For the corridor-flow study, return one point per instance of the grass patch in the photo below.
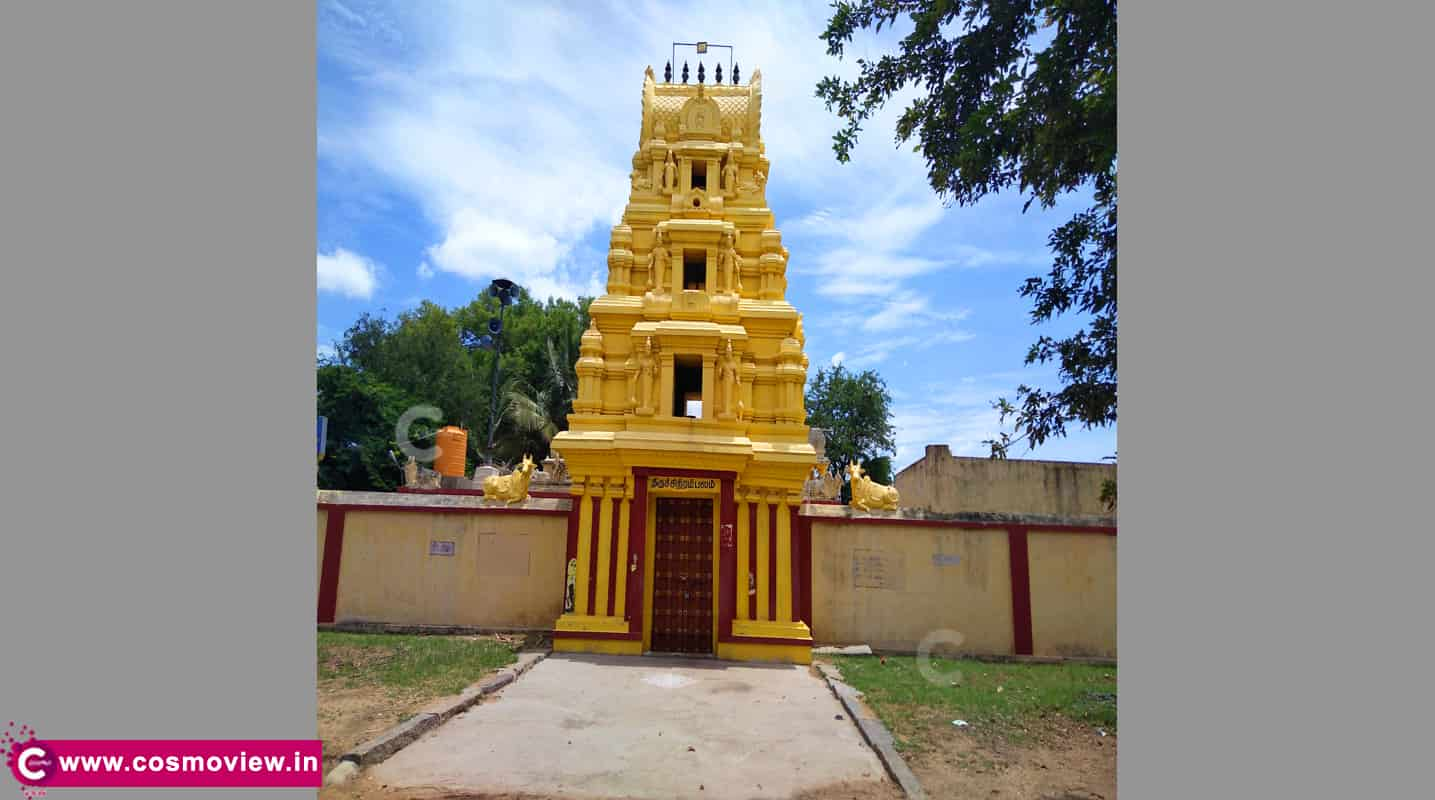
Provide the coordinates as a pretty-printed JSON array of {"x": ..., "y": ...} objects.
[
  {"x": 429, "y": 665},
  {"x": 1006, "y": 700}
]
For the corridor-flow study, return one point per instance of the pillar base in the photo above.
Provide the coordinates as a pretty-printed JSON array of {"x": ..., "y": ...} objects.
[
  {"x": 780, "y": 653},
  {"x": 610, "y": 647},
  {"x": 764, "y": 640},
  {"x": 583, "y": 633},
  {"x": 762, "y": 628},
  {"x": 587, "y": 623}
]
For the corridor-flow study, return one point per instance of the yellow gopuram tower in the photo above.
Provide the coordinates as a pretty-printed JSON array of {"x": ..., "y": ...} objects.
[{"x": 688, "y": 444}]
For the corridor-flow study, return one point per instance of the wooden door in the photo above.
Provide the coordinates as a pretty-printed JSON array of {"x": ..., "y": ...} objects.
[{"x": 683, "y": 576}]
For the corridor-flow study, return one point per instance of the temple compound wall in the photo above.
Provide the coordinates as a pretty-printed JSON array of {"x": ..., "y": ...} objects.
[{"x": 1008, "y": 584}]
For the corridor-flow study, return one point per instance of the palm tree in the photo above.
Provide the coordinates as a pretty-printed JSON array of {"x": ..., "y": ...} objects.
[{"x": 532, "y": 416}]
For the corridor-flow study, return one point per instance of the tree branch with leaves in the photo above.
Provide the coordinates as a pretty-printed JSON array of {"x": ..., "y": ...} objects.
[{"x": 1016, "y": 93}]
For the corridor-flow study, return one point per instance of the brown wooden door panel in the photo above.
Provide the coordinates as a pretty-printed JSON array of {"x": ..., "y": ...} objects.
[{"x": 683, "y": 577}]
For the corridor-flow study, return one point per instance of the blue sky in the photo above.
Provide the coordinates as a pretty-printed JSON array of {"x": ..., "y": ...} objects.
[{"x": 462, "y": 142}]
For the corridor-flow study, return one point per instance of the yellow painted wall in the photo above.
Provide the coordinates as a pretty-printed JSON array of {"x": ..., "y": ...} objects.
[
  {"x": 1073, "y": 594},
  {"x": 506, "y": 571},
  {"x": 904, "y": 594},
  {"x": 948, "y": 484}
]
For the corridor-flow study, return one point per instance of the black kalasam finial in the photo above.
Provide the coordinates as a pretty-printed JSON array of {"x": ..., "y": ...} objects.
[
  {"x": 668, "y": 72},
  {"x": 734, "y": 74},
  {"x": 717, "y": 74},
  {"x": 700, "y": 72},
  {"x": 685, "y": 72}
]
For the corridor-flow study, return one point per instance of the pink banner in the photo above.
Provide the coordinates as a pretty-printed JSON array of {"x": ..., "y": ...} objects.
[{"x": 167, "y": 763}]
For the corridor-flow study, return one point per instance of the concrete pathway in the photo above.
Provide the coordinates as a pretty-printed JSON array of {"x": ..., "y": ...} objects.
[{"x": 610, "y": 727}]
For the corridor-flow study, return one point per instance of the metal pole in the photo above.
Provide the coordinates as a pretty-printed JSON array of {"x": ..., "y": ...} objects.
[{"x": 493, "y": 403}]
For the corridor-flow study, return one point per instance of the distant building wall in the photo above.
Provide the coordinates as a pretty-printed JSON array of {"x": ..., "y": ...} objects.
[{"x": 948, "y": 484}]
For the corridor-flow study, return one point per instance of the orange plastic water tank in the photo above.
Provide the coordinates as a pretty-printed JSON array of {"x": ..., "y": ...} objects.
[{"x": 453, "y": 447}]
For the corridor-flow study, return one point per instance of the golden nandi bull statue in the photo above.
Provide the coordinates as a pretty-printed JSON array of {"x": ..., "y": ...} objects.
[
  {"x": 867, "y": 495},
  {"x": 511, "y": 488}
]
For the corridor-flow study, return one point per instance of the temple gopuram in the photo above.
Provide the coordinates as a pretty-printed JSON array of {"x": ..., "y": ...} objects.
[{"x": 688, "y": 446}]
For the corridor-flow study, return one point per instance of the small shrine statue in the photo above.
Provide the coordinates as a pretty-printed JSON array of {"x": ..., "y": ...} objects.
[
  {"x": 569, "y": 585},
  {"x": 511, "y": 488},
  {"x": 867, "y": 495},
  {"x": 729, "y": 177}
]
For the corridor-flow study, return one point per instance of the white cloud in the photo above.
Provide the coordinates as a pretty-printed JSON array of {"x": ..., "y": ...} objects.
[
  {"x": 838, "y": 358},
  {"x": 425, "y": 271},
  {"x": 907, "y": 309},
  {"x": 876, "y": 351},
  {"x": 346, "y": 273},
  {"x": 514, "y": 133}
]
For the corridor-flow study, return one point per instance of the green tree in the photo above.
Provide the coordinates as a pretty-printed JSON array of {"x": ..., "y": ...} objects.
[
  {"x": 1014, "y": 93},
  {"x": 854, "y": 410},
  {"x": 421, "y": 355},
  {"x": 360, "y": 451},
  {"x": 532, "y": 416}
]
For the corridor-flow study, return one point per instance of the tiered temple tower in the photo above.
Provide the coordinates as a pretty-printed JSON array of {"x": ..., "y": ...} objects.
[{"x": 688, "y": 445}]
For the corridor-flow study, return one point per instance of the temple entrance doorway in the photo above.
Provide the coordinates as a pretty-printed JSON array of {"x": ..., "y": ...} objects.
[{"x": 682, "y": 600}]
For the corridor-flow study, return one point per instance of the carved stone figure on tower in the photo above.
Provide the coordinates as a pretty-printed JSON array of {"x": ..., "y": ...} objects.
[
  {"x": 657, "y": 265},
  {"x": 670, "y": 174},
  {"x": 647, "y": 377},
  {"x": 729, "y": 267},
  {"x": 728, "y": 381},
  {"x": 729, "y": 176},
  {"x": 641, "y": 183}
]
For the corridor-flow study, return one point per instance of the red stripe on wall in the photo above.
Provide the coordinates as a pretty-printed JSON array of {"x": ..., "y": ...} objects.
[
  {"x": 442, "y": 509},
  {"x": 614, "y": 564},
  {"x": 637, "y": 532},
  {"x": 802, "y": 568},
  {"x": 592, "y": 587},
  {"x": 1020, "y": 591},
  {"x": 570, "y": 553},
  {"x": 333, "y": 556},
  {"x": 772, "y": 561},
  {"x": 795, "y": 549},
  {"x": 571, "y": 550},
  {"x": 727, "y": 561},
  {"x": 477, "y": 492},
  {"x": 751, "y": 558}
]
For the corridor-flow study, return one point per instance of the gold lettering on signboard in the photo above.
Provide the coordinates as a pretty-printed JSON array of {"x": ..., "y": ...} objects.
[{"x": 674, "y": 483}]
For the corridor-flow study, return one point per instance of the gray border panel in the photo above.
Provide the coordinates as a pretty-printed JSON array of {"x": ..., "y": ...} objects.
[{"x": 157, "y": 314}]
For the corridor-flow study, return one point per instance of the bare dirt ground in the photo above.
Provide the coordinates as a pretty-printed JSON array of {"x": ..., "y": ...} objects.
[
  {"x": 354, "y": 706},
  {"x": 351, "y": 716},
  {"x": 364, "y": 789},
  {"x": 1059, "y": 760}
]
